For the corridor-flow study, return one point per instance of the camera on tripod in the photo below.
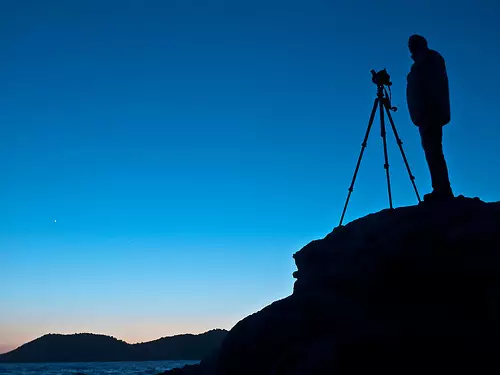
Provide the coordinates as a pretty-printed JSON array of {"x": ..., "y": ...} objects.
[
  {"x": 383, "y": 103},
  {"x": 381, "y": 78}
]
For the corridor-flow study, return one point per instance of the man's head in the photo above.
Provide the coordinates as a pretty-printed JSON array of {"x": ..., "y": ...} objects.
[{"x": 416, "y": 44}]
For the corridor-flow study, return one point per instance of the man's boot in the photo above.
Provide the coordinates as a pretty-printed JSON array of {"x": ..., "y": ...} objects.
[{"x": 439, "y": 196}]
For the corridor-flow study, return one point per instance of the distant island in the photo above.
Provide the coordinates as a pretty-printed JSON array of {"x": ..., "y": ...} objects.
[{"x": 88, "y": 347}]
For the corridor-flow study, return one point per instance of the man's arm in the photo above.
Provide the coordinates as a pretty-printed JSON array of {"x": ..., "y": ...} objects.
[
  {"x": 436, "y": 88},
  {"x": 415, "y": 98}
]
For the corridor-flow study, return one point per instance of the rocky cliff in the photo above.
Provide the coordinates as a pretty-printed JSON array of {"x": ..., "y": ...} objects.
[{"x": 400, "y": 291}]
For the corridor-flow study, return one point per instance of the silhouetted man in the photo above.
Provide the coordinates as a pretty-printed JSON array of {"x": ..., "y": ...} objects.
[{"x": 428, "y": 100}]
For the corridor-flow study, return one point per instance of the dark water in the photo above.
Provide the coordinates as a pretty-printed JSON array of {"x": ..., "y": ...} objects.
[{"x": 91, "y": 368}]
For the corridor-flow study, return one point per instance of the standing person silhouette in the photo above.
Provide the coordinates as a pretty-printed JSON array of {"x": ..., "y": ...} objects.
[{"x": 428, "y": 99}]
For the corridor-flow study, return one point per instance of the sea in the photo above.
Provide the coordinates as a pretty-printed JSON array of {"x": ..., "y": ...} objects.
[{"x": 91, "y": 368}]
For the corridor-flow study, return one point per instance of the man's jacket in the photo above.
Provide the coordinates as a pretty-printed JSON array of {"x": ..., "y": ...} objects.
[{"x": 427, "y": 91}]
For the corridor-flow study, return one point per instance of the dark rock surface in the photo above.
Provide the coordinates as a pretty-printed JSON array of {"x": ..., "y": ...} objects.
[{"x": 400, "y": 291}]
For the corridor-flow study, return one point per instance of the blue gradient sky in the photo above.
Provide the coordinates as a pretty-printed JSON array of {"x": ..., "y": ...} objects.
[{"x": 188, "y": 148}]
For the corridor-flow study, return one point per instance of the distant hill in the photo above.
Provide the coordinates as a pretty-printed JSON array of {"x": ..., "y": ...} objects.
[{"x": 88, "y": 347}]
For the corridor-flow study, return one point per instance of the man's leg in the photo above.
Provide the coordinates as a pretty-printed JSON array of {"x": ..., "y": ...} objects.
[{"x": 432, "y": 142}]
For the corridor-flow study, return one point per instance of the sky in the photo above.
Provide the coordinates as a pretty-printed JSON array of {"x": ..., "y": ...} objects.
[{"x": 161, "y": 161}]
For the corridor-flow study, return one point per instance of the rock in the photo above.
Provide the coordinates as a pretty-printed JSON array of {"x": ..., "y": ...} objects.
[
  {"x": 410, "y": 289},
  {"x": 185, "y": 370},
  {"x": 205, "y": 367}
]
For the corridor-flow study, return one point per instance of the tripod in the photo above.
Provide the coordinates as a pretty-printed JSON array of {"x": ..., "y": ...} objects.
[{"x": 383, "y": 102}]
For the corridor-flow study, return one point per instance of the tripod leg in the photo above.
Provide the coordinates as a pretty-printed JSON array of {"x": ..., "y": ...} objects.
[
  {"x": 363, "y": 146},
  {"x": 386, "y": 157},
  {"x": 400, "y": 144}
]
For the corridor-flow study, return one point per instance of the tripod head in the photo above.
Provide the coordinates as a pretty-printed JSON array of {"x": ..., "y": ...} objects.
[{"x": 383, "y": 79}]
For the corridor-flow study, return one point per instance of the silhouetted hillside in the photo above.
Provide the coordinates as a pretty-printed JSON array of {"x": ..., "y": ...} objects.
[
  {"x": 180, "y": 347},
  {"x": 86, "y": 347}
]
